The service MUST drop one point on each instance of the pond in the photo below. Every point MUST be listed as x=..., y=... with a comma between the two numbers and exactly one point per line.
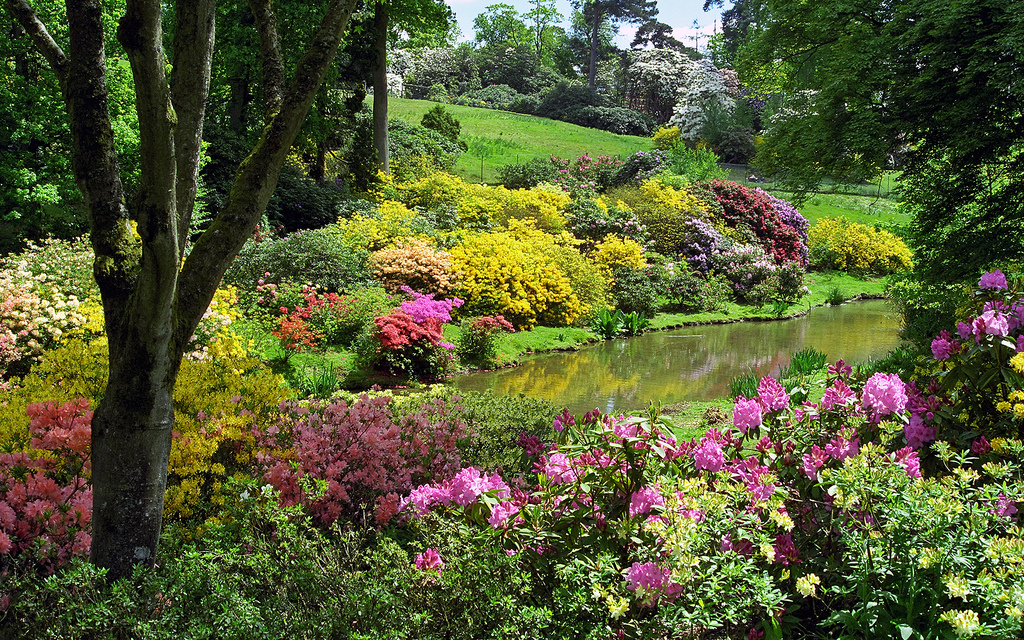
x=693, y=363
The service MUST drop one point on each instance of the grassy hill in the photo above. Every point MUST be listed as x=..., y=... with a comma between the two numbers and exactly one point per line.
x=496, y=138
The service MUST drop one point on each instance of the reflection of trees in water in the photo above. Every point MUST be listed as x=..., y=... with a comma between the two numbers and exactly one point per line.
x=678, y=365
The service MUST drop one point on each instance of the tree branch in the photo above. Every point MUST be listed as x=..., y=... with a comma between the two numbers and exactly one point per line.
x=257, y=177
x=270, y=56
x=190, y=86
x=41, y=38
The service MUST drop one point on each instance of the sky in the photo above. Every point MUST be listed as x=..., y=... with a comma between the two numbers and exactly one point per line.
x=679, y=14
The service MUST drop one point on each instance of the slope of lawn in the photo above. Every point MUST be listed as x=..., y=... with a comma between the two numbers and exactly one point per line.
x=497, y=138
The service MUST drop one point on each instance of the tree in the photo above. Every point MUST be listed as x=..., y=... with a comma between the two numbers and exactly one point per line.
x=736, y=22
x=659, y=35
x=501, y=25
x=598, y=12
x=543, y=18
x=153, y=295
x=934, y=86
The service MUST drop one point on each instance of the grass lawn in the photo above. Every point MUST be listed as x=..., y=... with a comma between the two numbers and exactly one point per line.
x=497, y=138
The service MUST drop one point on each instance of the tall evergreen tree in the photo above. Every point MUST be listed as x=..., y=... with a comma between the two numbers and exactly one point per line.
x=598, y=12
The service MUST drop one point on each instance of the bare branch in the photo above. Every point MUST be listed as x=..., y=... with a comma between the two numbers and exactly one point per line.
x=40, y=36
x=270, y=56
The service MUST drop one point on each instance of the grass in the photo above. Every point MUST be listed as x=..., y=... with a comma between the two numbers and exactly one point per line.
x=497, y=138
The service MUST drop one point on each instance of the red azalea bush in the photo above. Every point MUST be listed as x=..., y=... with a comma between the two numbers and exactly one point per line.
x=756, y=210
x=362, y=456
x=45, y=494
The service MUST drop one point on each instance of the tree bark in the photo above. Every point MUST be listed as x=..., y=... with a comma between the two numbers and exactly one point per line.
x=380, y=88
x=594, y=33
x=152, y=302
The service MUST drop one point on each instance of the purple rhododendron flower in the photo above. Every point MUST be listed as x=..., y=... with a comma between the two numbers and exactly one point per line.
x=708, y=455
x=993, y=280
x=838, y=394
x=917, y=432
x=963, y=330
x=785, y=550
x=813, y=461
x=1005, y=508
x=981, y=446
x=501, y=513
x=746, y=414
x=842, y=448
x=910, y=461
x=648, y=576
x=884, y=393
x=771, y=395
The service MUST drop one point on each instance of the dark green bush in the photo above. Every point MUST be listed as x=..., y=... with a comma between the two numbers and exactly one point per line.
x=528, y=174
x=615, y=119
x=313, y=257
x=693, y=292
x=442, y=121
x=634, y=290
x=498, y=422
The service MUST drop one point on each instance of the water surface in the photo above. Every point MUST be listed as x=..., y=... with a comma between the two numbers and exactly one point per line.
x=693, y=363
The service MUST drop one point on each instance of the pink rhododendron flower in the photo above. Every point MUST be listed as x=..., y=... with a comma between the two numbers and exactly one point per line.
x=993, y=280
x=708, y=455
x=917, y=432
x=771, y=395
x=813, y=461
x=944, y=346
x=746, y=414
x=648, y=576
x=840, y=369
x=469, y=484
x=558, y=468
x=842, y=448
x=429, y=560
x=501, y=513
x=838, y=394
x=644, y=500
x=910, y=461
x=963, y=330
x=991, y=323
x=785, y=550
x=884, y=393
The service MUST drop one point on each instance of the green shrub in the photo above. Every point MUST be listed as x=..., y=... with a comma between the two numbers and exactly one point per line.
x=477, y=344
x=692, y=292
x=528, y=174
x=442, y=121
x=317, y=257
x=634, y=291
x=498, y=423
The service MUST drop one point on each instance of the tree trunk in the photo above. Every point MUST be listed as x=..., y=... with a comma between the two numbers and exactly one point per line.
x=380, y=88
x=594, y=32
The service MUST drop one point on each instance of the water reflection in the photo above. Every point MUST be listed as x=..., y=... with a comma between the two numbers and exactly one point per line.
x=694, y=363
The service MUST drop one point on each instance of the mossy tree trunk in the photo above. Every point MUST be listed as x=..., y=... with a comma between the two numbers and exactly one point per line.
x=153, y=296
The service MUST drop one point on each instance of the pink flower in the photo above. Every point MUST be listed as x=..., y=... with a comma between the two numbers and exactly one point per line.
x=429, y=560
x=500, y=514
x=646, y=576
x=771, y=395
x=813, y=461
x=981, y=446
x=944, y=346
x=917, y=432
x=840, y=448
x=746, y=414
x=884, y=393
x=910, y=461
x=963, y=330
x=708, y=455
x=785, y=550
x=838, y=394
x=644, y=500
x=992, y=323
x=993, y=280
x=1005, y=508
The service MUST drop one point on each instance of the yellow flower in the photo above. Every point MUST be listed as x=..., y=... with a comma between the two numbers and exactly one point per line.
x=1003, y=407
x=617, y=607
x=1017, y=362
x=808, y=585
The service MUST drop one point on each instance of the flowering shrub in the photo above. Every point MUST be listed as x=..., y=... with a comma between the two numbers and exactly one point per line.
x=214, y=339
x=835, y=243
x=45, y=496
x=666, y=137
x=640, y=167
x=362, y=456
x=613, y=253
x=514, y=273
x=590, y=220
x=664, y=211
x=754, y=210
x=692, y=291
x=413, y=263
x=408, y=341
x=745, y=267
x=476, y=345
x=738, y=527
x=390, y=223
x=585, y=176
x=702, y=243
x=979, y=368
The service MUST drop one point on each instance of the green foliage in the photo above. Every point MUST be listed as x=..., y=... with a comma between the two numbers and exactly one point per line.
x=803, y=363
x=695, y=164
x=635, y=291
x=316, y=257
x=584, y=106
x=693, y=292
x=497, y=423
x=744, y=385
x=442, y=121
x=607, y=323
x=528, y=174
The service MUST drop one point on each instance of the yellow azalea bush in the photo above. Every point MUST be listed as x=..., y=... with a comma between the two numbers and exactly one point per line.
x=666, y=137
x=836, y=243
x=614, y=252
x=391, y=222
x=513, y=273
x=416, y=264
x=664, y=210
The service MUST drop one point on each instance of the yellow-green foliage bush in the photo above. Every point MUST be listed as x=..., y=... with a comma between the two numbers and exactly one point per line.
x=416, y=264
x=391, y=222
x=545, y=204
x=835, y=243
x=585, y=278
x=514, y=273
x=664, y=210
x=666, y=137
x=614, y=253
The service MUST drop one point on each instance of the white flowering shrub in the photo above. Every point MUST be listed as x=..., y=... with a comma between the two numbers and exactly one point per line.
x=705, y=91
x=653, y=79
